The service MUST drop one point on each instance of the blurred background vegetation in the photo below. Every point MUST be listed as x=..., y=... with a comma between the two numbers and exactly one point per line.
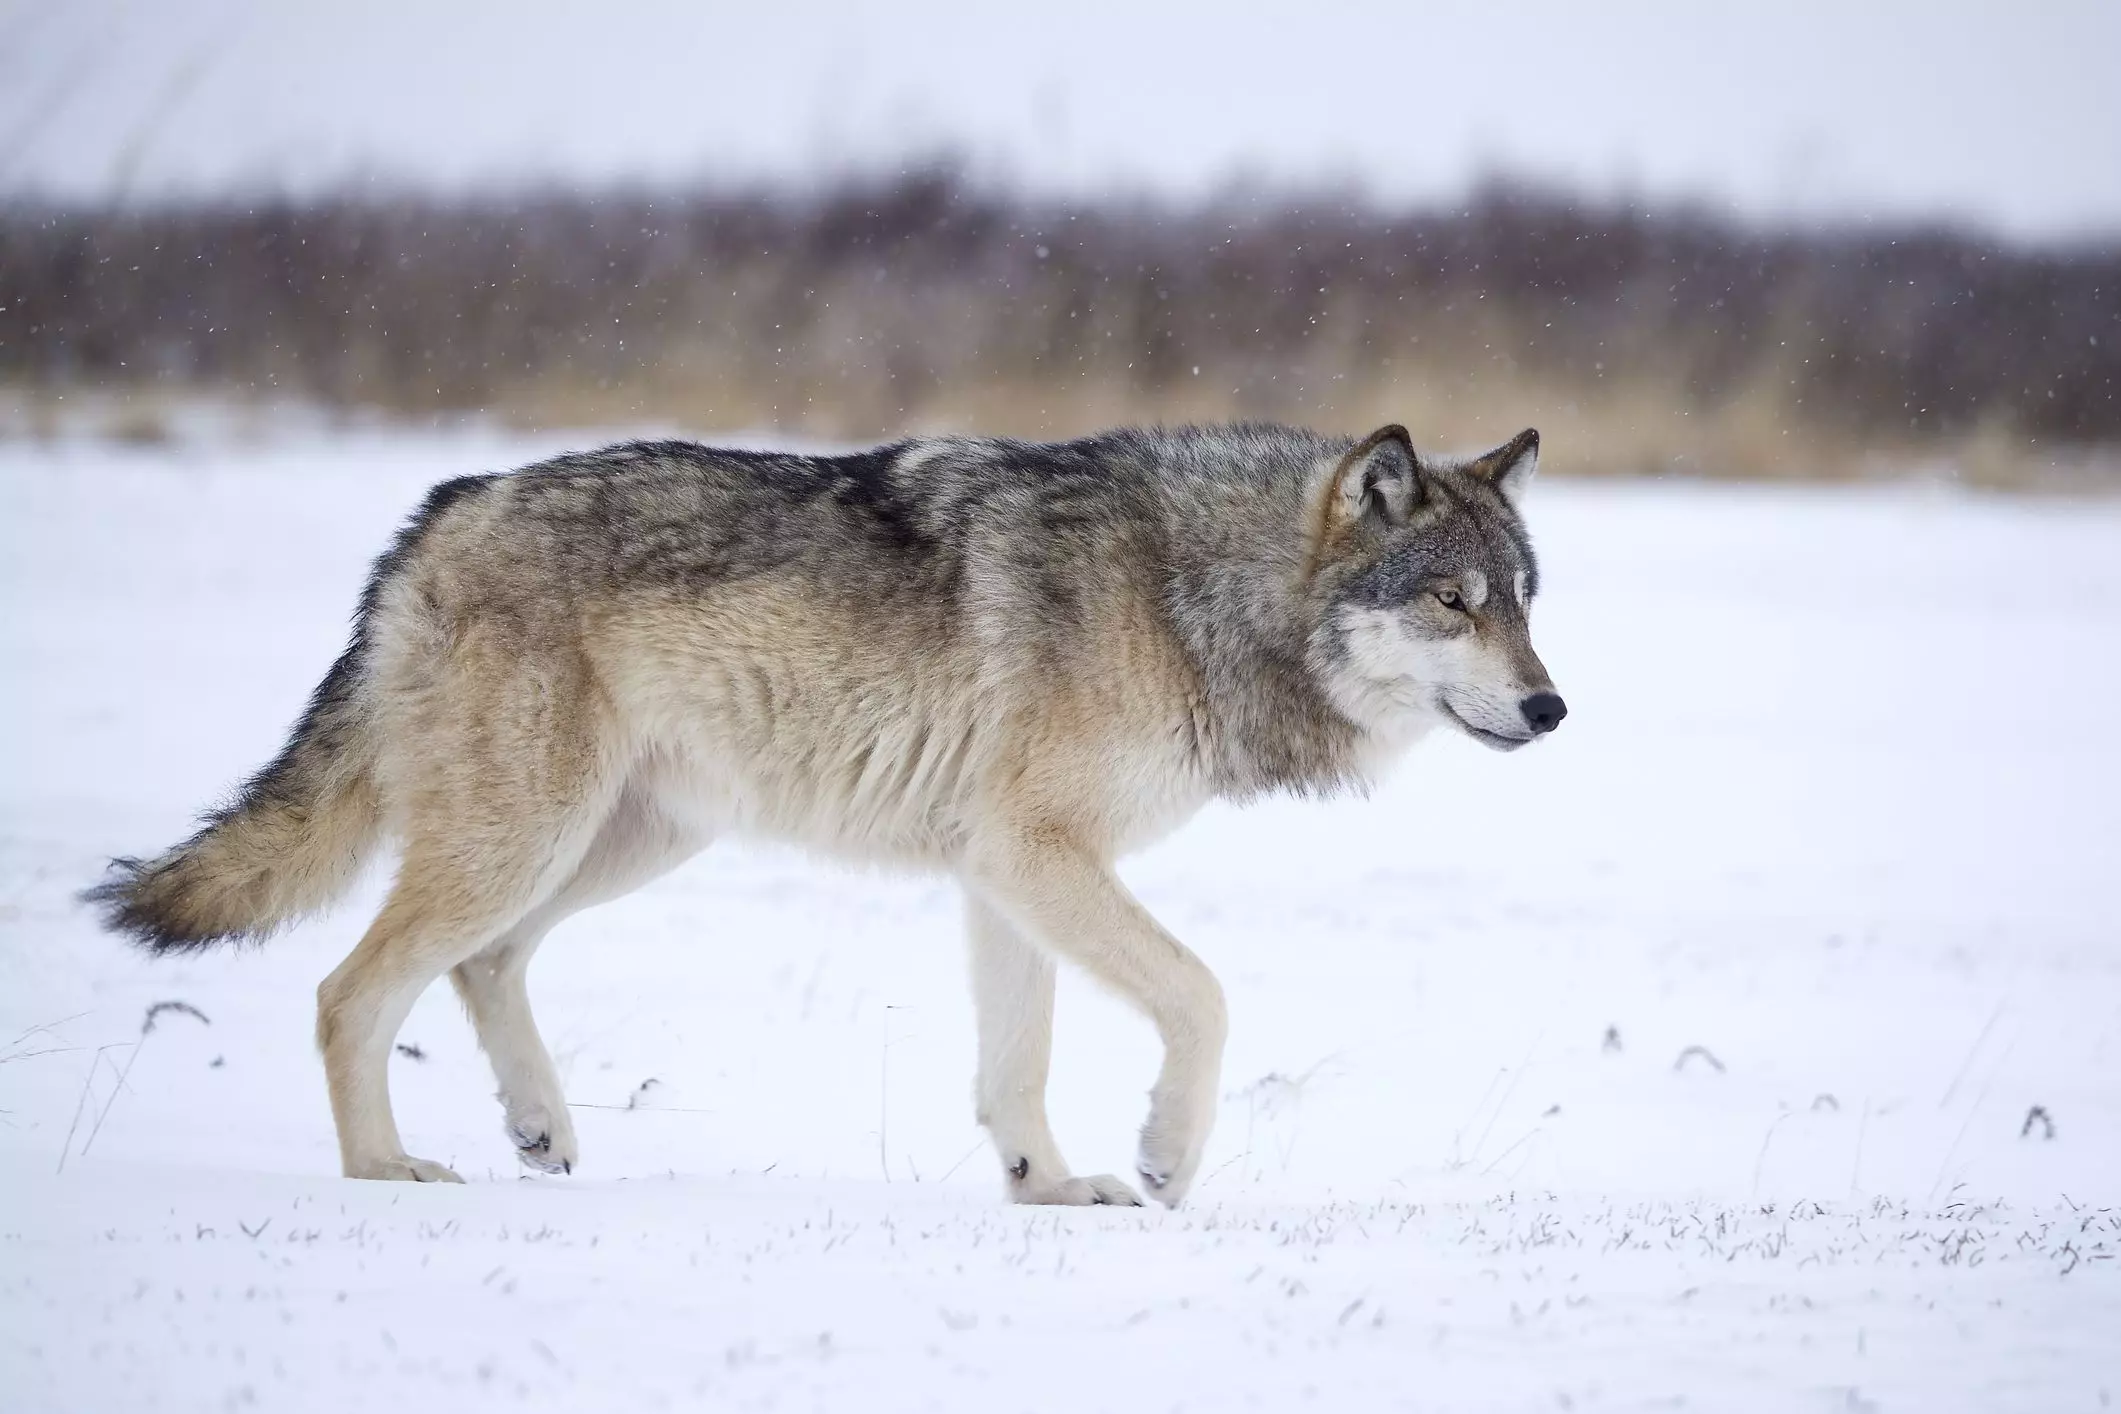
x=1805, y=241
x=1640, y=341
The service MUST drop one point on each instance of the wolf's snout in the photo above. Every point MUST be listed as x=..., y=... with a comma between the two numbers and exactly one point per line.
x=1543, y=711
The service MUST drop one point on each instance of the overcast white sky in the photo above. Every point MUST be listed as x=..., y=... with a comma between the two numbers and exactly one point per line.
x=2007, y=116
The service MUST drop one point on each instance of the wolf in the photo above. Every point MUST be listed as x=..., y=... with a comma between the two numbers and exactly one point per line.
x=1006, y=661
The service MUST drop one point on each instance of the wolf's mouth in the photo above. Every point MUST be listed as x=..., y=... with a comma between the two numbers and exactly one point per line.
x=1494, y=741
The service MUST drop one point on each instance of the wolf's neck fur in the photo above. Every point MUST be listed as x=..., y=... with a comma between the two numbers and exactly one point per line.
x=1265, y=721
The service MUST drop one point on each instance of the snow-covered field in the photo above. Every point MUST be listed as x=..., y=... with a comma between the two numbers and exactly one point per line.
x=1689, y=1060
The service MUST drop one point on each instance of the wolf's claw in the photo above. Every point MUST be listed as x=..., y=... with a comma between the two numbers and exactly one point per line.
x=535, y=1147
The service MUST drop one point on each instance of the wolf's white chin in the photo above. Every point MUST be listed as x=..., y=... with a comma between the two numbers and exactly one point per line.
x=1494, y=741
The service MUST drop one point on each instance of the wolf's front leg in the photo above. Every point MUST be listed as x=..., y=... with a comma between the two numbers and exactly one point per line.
x=1012, y=992
x=1067, y=899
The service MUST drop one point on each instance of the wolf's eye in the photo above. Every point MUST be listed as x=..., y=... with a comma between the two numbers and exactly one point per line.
x=1451, y=599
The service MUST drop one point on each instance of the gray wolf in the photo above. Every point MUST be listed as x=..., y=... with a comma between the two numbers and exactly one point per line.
x=1007, y=661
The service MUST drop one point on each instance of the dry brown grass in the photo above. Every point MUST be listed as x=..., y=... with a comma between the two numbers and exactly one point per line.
x=1625, y=429
x=1640, y=344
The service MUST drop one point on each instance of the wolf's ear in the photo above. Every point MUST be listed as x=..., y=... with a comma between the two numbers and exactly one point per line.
x=1378, y=482
x=1510, y=466
x=1380, y=478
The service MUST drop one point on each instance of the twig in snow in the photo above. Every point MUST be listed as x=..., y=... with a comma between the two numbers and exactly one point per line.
x=1458, y=1139
x=1760, y=1161
x=88, y=1082
x=1967, y=1123
x=1704, y=1052
x=1274, y=1091
x=147, y=1022
x=1968, y=1064
x=1862, y=1128
x=49, y=1028
x=147, y=1026
x=411, y=1050
x=1530, y=1134
x=41, y=1051
x=2037, y=1115
x=1234, y=1158
x=977, y=1144
x=1508, y=1091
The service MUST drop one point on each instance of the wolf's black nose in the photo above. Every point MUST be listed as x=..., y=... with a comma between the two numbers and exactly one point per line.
x=1543, y=711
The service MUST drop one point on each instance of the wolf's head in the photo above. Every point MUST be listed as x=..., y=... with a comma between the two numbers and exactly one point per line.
x=1425, y=578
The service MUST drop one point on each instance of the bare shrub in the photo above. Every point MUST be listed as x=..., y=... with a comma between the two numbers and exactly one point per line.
x=1642, y=342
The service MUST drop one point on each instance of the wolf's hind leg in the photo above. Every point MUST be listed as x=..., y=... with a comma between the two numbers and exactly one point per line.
x=439, y=912
x=1067, y=899
x=493, y=990
x=489, y=836
x=636, y=844
x=1012, y=991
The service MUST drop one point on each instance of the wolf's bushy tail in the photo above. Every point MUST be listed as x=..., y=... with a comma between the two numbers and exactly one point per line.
x=299, y=831
x=290, y=842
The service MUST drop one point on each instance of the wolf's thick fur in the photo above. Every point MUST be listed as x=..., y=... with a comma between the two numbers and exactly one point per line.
x=1008, y=661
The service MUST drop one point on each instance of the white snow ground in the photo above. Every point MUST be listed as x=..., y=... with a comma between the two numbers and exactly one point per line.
x=1839, y=801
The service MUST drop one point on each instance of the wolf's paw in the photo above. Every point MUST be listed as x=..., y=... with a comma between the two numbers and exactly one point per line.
x=1160, y=1185
x=401, y=1169
x=542, y=1143
x=1168, y=1162
x=1102, y=1190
